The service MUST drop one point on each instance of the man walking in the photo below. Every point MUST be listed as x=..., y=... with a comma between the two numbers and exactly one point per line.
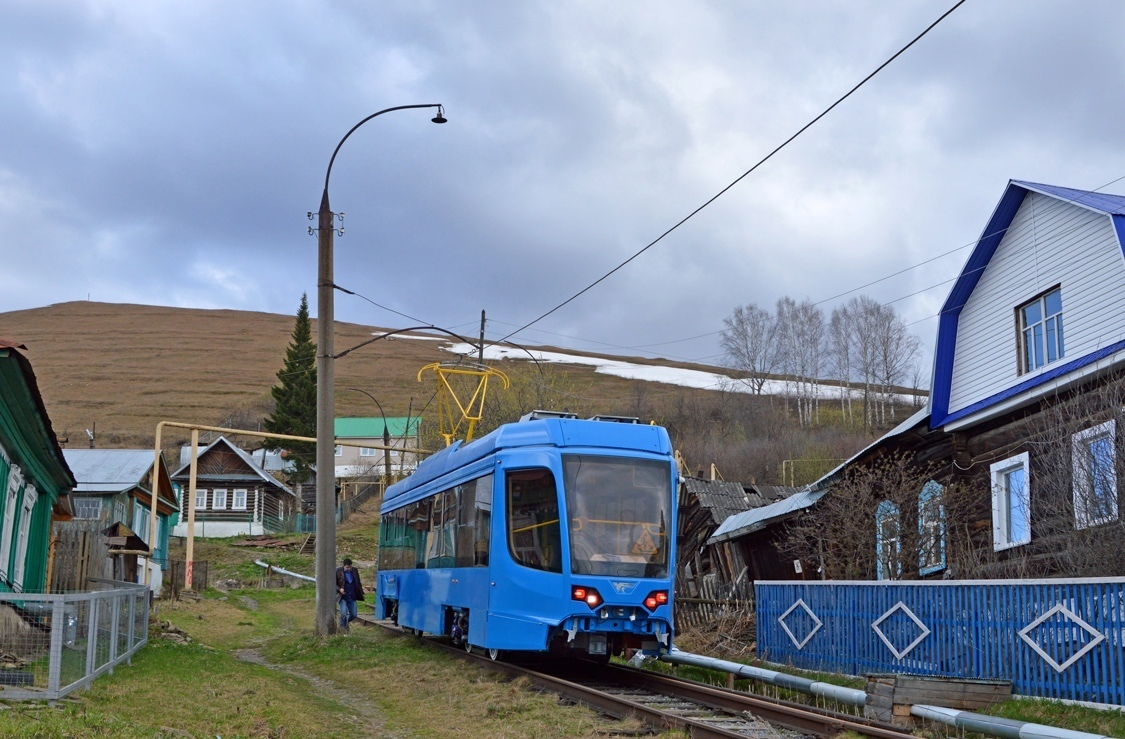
x=349, y=590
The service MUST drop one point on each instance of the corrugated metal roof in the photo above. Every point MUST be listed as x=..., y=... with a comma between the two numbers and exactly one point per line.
x=108, y=470
x=372, y=428
x=749, y=521
x=722, y=499
x=1100, y=201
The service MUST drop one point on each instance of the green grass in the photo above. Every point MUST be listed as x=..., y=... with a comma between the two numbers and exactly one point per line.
x=1051, y=713
x=174, y=688
x=368, y=683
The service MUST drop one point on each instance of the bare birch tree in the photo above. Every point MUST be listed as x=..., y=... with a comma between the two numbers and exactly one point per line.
x=865, y=330
x=749, y=344
x=896, y=355
x=840, y=352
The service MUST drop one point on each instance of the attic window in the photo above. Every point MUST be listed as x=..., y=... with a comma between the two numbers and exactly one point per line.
x=1040, y=331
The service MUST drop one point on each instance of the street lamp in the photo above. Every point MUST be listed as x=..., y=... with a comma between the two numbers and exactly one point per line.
x=386, y=436
x=325, y=397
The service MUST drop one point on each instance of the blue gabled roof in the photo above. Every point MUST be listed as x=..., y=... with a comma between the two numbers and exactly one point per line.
x=993, y=234
x=1113, y=205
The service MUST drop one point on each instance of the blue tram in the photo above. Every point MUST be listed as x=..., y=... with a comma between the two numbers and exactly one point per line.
x=550, y=534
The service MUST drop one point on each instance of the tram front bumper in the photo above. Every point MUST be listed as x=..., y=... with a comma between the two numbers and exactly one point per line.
x=653, y=633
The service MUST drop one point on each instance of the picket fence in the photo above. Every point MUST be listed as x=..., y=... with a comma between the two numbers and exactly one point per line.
x=1062, y=638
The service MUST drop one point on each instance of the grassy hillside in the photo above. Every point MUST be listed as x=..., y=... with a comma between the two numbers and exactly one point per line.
x=124, y=368
x=120, y=369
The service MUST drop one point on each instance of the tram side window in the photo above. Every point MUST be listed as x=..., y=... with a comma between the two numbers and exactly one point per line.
x=482, y=512
x=418, y=531
x=395, y=546
x=443, y=525
x=533, y=520
x=474, y=514
x=465, y=524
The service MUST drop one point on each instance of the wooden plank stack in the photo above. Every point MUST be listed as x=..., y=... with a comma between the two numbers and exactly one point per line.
x=889, y=697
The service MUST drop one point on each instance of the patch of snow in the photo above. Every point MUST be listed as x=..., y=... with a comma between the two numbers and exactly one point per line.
x=651, y=373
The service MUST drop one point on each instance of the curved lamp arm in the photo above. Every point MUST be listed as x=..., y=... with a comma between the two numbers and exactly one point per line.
x=439, y=118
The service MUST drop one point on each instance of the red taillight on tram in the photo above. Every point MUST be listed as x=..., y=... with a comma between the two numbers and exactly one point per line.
x=656, y=599
x=589, y=596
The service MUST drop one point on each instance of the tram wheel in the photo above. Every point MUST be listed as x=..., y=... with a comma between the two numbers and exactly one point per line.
x=494, y=654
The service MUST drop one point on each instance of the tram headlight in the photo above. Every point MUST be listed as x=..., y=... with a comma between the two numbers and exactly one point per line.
x=656, y=599
x=589, y=596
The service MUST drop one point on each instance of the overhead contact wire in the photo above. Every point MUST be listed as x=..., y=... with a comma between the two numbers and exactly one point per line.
x=722, y=192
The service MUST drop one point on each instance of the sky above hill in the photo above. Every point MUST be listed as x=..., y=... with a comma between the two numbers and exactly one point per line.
x=167, y=153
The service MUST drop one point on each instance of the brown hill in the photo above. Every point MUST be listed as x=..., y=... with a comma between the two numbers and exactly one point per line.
x=119, y=369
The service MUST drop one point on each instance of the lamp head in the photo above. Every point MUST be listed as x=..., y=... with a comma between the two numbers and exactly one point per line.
x=440, y=117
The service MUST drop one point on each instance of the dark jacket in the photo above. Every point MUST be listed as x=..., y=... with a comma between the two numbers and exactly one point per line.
x=340, y=583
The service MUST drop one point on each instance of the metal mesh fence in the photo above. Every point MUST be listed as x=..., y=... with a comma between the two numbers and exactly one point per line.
x=51, y=645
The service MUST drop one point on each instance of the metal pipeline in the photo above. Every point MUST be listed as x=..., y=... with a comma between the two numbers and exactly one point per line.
x=274, y=568
x=1001, y=727
x=980, y=723
x=850, y=696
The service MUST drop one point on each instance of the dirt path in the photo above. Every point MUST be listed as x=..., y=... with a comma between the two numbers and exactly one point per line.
x=366, y=712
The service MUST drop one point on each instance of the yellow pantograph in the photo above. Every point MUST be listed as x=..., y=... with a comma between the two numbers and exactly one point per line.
x=454, y=412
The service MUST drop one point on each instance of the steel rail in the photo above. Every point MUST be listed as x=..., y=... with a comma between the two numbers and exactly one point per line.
x=614, y=705
x=785, y=713
x=789, y=715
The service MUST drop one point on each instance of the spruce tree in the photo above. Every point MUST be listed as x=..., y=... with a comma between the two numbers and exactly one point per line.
x=295, y=397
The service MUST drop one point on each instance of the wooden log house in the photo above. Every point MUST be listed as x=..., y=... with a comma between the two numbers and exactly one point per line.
x=233, y=495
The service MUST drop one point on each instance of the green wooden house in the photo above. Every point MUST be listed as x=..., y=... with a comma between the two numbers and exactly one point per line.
x=34, y=476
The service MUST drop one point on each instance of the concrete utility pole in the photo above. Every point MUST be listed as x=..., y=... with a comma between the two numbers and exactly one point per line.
x=480, y=349
x=325, y=397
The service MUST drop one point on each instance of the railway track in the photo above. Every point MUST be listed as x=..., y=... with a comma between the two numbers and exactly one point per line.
x=665, y=702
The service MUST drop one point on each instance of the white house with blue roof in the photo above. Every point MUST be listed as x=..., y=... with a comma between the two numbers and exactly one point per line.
x=1037, y=307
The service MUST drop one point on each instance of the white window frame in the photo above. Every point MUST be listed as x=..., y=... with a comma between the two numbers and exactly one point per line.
x=1045, y=325
x=27, y=511
x=365, y=451
x=89, y=502
x=1082, y=488
x=237, y=495
x=141, y=521
x=339, y=451
x=931, y=491
x=219, y=499
x=15, y=482
x=885, y=513
x=1001, y=510
x=200, y=499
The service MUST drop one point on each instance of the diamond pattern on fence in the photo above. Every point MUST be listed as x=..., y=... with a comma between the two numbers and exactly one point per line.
x=899, y=631
x=800, y=643
x=1063, y=634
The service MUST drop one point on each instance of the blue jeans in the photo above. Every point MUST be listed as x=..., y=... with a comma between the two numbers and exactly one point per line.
x=347, y=612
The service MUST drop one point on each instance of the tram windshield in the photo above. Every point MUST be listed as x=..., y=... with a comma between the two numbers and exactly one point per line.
x=619, y=512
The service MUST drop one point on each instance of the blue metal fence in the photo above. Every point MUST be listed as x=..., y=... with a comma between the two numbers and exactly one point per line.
x=1051, y=638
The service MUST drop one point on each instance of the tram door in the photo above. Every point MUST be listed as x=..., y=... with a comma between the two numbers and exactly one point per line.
x=527, y=559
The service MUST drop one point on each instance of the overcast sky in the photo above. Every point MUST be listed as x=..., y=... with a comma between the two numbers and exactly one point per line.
x=167, y=153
